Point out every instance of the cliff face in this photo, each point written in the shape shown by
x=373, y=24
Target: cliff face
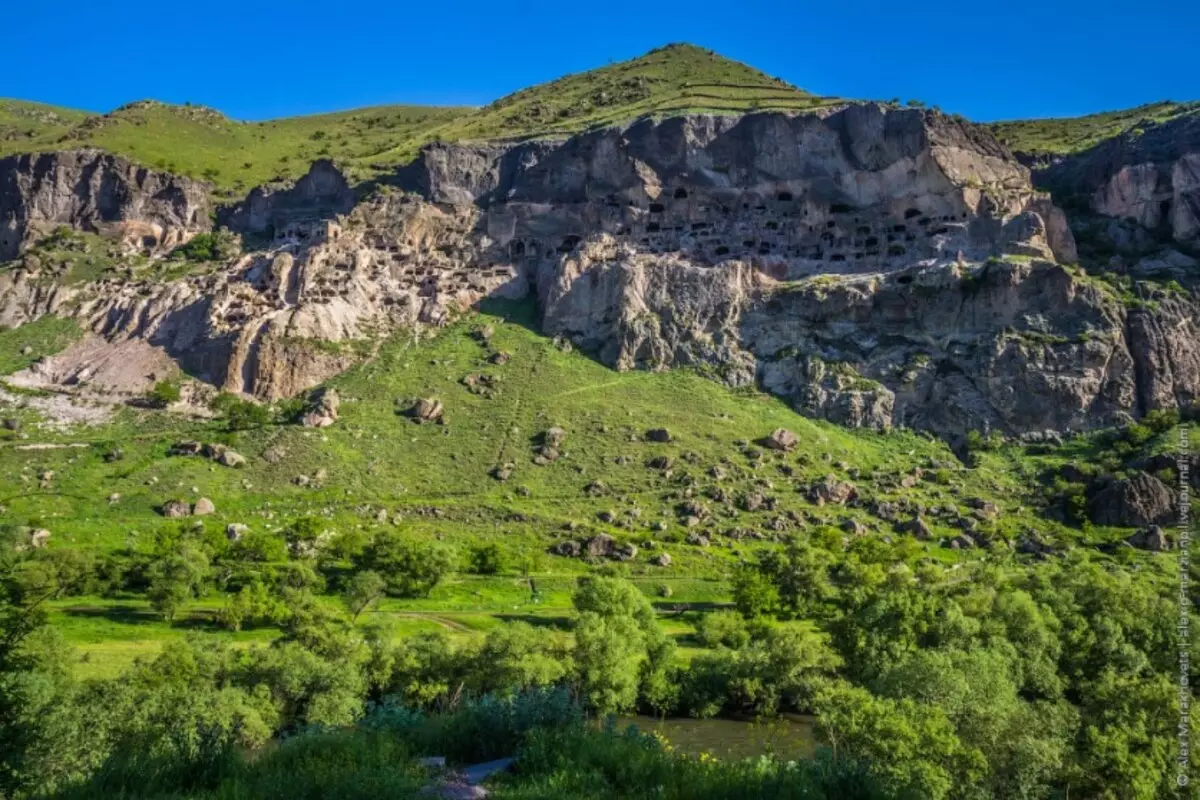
x=91, y=190
x=874, y=266
x=1151, y=177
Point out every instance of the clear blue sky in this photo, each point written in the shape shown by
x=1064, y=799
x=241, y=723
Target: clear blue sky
x=252, y=60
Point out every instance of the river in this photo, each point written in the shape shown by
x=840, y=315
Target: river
x=789, y=736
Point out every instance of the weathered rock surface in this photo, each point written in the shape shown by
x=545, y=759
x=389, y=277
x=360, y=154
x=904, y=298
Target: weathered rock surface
x=1134, y=502
x=93, y=191
x=1151, y=177
x=875, y=266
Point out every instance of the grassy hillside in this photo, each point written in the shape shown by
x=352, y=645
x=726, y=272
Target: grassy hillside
x=1062, y=136
x=374, y=469
x=235, y=156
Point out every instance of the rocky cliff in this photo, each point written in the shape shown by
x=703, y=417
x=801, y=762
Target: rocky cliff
x=1150, y=176
x=875, y=266
x=91, y=190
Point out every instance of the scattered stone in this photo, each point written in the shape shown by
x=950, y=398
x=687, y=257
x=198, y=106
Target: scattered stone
x=661, y=560
x=301, y=480
x=203, y=507
x=39, y=538
x=963, y=542
x=625, y=552
x=781, y=439
x=235, y=531
x=503, y=472
x=114, y=498
x=274, y=454
x=11, y=424
x=659, y=463
x=554, y=437
x=919, y=528
x=569, y=548
x=855, y=528
x=698, y=539
x=500, y=359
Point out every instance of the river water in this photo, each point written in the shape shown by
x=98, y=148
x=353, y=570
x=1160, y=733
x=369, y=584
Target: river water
x=789, y=736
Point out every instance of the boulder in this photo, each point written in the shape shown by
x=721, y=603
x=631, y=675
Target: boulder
x=39, y=538
x=919, y=528
x=1133, y=502
x=322, y=409
x=625, y=552
x=698, y=539
x=203, y=507
x=426, y=410
x=235, y=531
x=599, y=546
x=500, y=359
x=568, y=548
x=781, y=439
x=1153, y=538
x=502, y=472
x=660, y=435
x=831, y=490
x=661, y=560
x=554, y=437
x=176, y=508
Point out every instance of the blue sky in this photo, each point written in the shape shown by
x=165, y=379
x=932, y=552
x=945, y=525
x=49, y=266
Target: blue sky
x=254, y=60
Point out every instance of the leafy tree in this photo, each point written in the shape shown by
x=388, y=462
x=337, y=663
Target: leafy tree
x=253, y=604
x=619, y=646
x=409, y=567
x=361, y=591
x=175, y=579
x=911, y=748
x=754, y=593
x=518, y=657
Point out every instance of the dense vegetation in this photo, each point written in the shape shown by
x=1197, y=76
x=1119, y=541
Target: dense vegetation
x=363, y=589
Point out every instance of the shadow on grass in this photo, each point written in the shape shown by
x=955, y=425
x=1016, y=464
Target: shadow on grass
x=130, y=615
x=538, y=621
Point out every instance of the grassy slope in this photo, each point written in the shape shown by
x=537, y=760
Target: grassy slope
x=235, y=156
x=376, y=459
x=1062, y=136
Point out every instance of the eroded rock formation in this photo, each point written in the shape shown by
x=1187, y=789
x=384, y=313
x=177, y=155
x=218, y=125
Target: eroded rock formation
x=875, y=266
x=95, y=191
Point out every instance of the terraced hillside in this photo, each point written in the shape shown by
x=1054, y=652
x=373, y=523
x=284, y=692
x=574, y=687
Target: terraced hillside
x=1038, y=138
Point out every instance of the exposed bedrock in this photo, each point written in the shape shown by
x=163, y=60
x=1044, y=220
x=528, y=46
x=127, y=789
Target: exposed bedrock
x=874, y=266
x=95, y=191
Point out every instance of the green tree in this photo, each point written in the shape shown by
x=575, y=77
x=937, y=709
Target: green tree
x=361, y=591
x=165, y=393
x=485, y=559
x=410, y=568
x=175, y=579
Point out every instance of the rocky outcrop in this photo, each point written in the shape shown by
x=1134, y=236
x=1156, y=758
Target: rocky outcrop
x=1134, y=502
x=96, y=191
x=1150, y=175
x=875, y=266
x=289, y=210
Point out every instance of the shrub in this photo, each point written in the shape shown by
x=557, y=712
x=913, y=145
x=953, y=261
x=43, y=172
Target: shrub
x=485, y=559
x=165, y=393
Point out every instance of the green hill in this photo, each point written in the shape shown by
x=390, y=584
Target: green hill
x=235, y=156
x=1066, y=135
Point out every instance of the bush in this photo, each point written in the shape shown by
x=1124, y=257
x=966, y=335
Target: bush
x=165, y=393
x=220, y=245
x=723, y=629
x=485, y=559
